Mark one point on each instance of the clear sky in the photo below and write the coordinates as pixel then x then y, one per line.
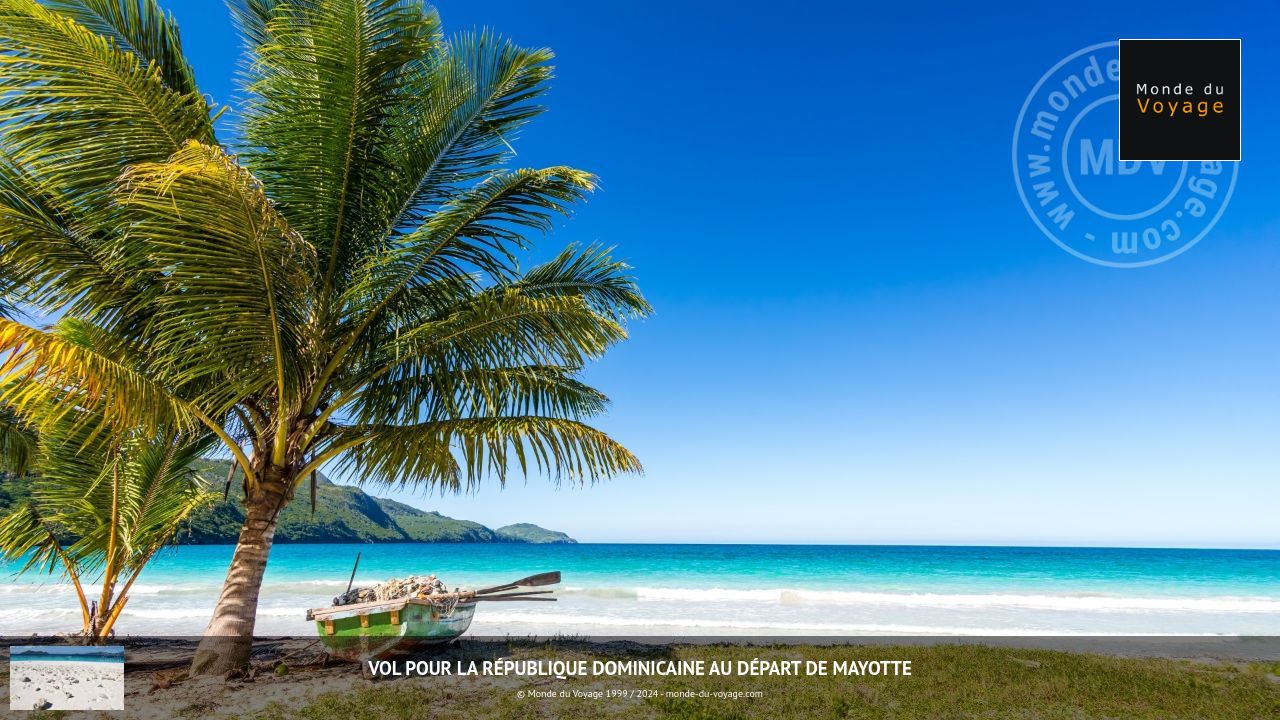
pixel 860 336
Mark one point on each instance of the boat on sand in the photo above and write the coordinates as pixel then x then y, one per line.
pixel 407 626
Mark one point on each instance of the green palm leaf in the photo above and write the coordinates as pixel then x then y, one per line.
pixel 53 375
pixel 27 538
pixel 75 108
pixel 139 27
pixel 150 477
pixel 205 223
pixel 457 454
pixel 324 85
pixel 482 90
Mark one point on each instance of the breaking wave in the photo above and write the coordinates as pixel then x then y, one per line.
pixel 1074 603
pixel 541 622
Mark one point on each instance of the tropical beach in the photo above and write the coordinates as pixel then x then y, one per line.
pixel 367 359
pixel 77 678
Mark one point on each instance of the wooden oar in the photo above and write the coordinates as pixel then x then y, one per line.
pixel 513 598
pixel 547 578
pixel 515 594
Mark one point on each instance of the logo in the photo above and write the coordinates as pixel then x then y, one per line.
pixel 1069 175
pixel 1180 100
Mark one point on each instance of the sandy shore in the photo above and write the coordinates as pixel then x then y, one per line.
pixel 66 685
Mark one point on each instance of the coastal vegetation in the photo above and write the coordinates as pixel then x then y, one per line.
pixel 528 532
pixel 105 500
pixel 100 508
pixel 336 278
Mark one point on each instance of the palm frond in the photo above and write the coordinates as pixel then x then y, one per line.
pixel 153 485
pixel 140 27
pixel 476 231
pixel 75 108
pixel 592 274
pixel 206 224
pixel 473 102
pixel 251 18
pixel 494 329
pixel 456 454
pixel 45 257
pixel 27 538
pixel 445 393
pixel 52 374
pixel 324 80
pixel 124 494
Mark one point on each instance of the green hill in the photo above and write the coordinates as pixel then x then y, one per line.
pixel 530 533
pixel 342 514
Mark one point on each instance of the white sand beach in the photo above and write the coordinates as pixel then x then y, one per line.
pixel 66 685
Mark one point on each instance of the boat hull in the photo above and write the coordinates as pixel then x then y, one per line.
pixel 389 630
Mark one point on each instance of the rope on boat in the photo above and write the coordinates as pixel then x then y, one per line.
pixel 447 605
pixel 413 586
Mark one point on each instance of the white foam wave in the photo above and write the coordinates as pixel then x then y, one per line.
pixel 544 623
pixel 1087 603
pixel 34 613
pixel 171 613
pixel 206 611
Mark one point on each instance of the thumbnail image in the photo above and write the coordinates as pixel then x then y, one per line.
pixel 51 677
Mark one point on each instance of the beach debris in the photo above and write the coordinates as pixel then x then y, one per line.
pixel 413 586
pixel 41 704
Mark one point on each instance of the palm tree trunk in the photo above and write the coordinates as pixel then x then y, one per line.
pixel 75 581
pixel 123 597
pixel 228 639
pixel 110 571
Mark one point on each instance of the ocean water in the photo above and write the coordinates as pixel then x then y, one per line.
pixel 726 589
pixel 46 653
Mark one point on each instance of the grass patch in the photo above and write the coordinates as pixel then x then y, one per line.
pixel 947 681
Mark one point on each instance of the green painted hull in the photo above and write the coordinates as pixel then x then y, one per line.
pixel 373 632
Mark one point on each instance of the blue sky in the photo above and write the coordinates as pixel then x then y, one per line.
pixel 861 337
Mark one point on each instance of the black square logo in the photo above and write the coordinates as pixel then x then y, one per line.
pixel 1179 99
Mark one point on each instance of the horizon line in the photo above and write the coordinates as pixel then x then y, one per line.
pixel 1033 546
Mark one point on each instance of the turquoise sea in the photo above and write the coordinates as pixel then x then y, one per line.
pixel 728 589
pixel 50 653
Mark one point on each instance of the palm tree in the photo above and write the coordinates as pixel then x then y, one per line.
pixel 102 507
pixel 341 285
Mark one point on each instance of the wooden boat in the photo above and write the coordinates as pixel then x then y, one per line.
pixel 406 626
pixel 397 628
